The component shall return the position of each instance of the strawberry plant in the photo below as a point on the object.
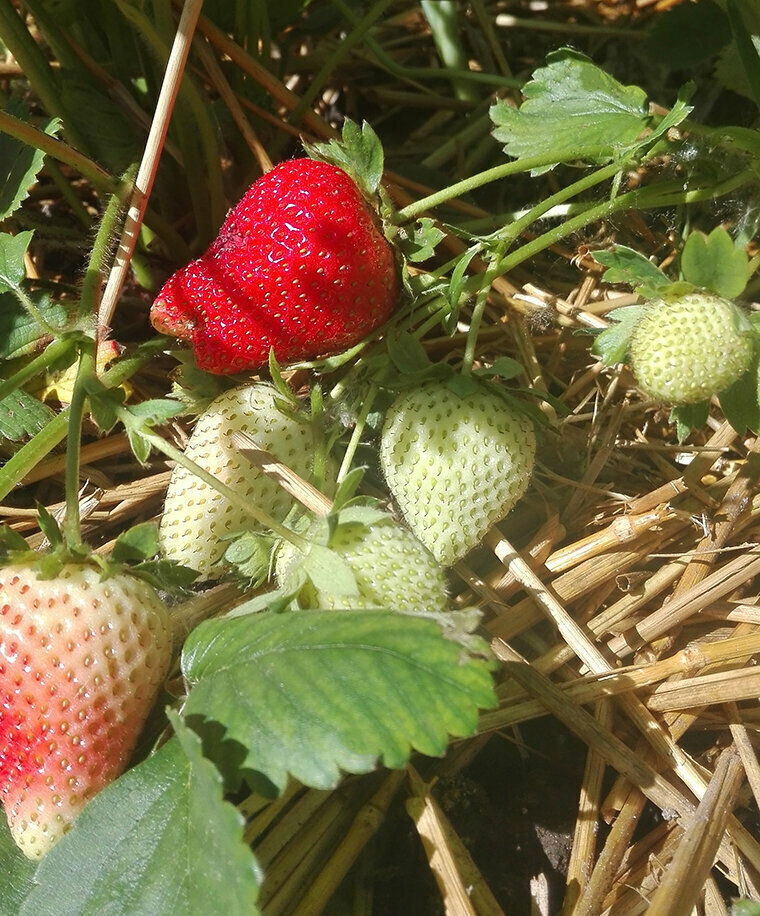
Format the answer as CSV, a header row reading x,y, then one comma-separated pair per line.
x,y
319,356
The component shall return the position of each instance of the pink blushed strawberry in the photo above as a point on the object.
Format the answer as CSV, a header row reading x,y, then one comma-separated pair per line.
x,y
299,266
81,663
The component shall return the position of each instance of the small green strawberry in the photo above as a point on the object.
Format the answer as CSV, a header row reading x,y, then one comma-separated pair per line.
x,y
197,518
82,659
387,565
686,350
455,463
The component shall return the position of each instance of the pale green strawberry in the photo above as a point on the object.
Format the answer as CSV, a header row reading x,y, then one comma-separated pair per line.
x,y
197,517
389,567
684,351
455,464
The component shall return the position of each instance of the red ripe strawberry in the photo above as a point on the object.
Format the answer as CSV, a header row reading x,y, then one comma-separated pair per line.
x,y
299,265
81,662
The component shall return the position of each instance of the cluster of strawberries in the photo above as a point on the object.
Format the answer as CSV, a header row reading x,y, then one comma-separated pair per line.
x,y
302,269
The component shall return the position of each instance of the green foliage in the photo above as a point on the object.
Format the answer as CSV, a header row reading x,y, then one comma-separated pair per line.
x,y
359,152
418,241
572,110
689,416
741,402
311,693
714,263
22,415
137,543
612,343
160,841
21,332
687,35
12,267
625,265
16,873
19,163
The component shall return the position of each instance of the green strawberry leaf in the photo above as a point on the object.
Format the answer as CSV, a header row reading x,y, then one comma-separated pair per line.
x,y
49,527
165,574
141,418
159,841
418,241
140,542
16,873
612,343
362,515
314,693
329,572
104,403
348,487
407,353
251,554
740,402
20,331
504,367
12,267
359,153
713,262
10,542
626,265
572,111
19,163
745,908
22,416
688,417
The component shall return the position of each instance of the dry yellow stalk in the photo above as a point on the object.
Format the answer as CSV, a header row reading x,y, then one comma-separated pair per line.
x,y
584,840
682,882
366,823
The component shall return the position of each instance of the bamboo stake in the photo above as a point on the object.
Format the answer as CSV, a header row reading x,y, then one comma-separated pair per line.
x,y
149,165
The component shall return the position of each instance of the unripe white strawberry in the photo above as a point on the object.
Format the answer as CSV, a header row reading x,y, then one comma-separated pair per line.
x,y
81,662
197,517
390,566
455,464
685,351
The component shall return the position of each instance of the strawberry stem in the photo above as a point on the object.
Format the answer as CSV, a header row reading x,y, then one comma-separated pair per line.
x,y
353,444
514,167
72,525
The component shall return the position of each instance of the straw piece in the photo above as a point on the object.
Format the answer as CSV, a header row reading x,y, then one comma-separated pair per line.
x,y
299,488
707,689
587,822
622,530
91,452
690,480
741,735
599,883
717,585
428,818
628,762
231,101
365,825
734,503
683,881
